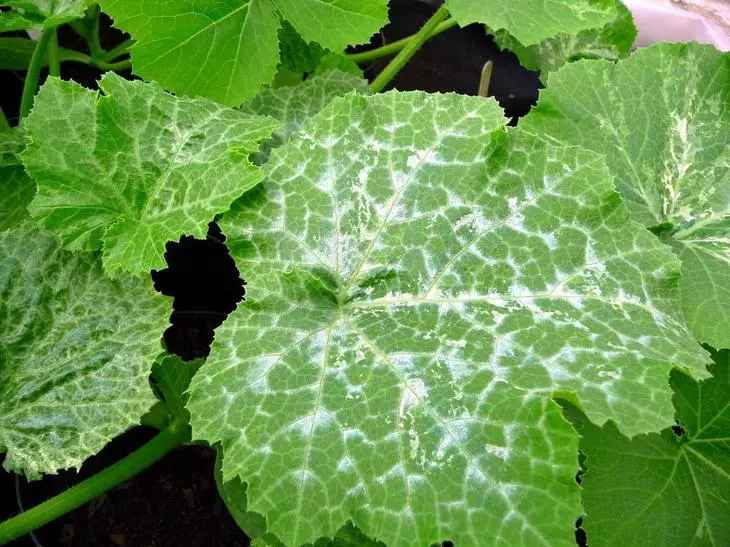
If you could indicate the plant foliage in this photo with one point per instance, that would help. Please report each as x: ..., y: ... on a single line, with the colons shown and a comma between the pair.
x: 669, y: 150
x: 227, y: 50
x: 77, y: 349
x: 402, y: 338
x: 135, y: 167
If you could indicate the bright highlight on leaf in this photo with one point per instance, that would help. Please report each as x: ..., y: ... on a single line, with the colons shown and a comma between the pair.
x: 76, y: 351
x: 420, y: 284
x: 662, y: 118
x: 529, y: 21
x: 660, y: 489
x: 135, y: 167
x: 227, y: 50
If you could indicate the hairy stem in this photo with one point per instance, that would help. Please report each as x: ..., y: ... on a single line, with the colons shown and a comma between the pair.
x: 416, y: 41
x: 34, y: 72
x: 54, y: 55
x: 85, y: 491
x: 397, y: 46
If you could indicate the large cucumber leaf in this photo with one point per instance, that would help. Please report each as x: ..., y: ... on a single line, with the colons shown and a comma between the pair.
x: 76, y: 349
x: 662, y: 119
x: 135, y: 167
x: 420, y: 284
x: 659, y: 489
x: 226, y: 50
x: 530, y: 21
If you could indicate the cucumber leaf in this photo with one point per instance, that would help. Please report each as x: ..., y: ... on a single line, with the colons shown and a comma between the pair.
x: 669, y: 150
x: 420, y: 283
x: 612, y: 42
x: 76, y: 349
x: 135, y: 167
x: 40, y: 14
x: 531, y: 22
x: 659, y: 489
x: 16, y: 188
x: 227, y: 50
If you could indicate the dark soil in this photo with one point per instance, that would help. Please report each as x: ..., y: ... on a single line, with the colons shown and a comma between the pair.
x: 175, y: 502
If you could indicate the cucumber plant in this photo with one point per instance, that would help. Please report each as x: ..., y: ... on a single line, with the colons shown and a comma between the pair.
x: 446, y: 318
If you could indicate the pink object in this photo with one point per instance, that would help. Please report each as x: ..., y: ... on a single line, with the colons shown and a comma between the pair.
x: 704, y: 21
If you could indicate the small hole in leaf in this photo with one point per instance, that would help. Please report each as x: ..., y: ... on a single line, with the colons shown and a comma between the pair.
x: 579, y: 477
x: 678, y: 430
x: 580, y: 535
x: 205, y: 284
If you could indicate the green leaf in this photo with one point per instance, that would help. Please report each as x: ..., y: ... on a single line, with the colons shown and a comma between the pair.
x: 76, y: 350
x: 171, y: 377
x: 531, y: 22
x: 45, y: 14
x: 660, y: 490
x: 298, y: 55
x: 662, y: 118
x: 16, y: 53
x: 12, y: 20
x: 16, y: 189
x: 612, y: 42
x: 294, y: 105
x: 419, y: 286
x: 135, y: 167
x: 227, y: 50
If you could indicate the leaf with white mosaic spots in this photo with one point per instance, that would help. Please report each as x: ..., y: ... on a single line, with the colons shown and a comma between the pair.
x: 668, y: 147
x: 421, y: 283
x: 613, y: 41
x: 135, y: 167
x: 531, y: 22
x: 76, y: 349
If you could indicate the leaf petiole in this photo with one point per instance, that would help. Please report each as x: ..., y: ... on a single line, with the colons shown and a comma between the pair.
x: 34, y: 72
x: 171, y: 437
x: 396, y: 46
x: 416, y: 41
x: 54, y: 54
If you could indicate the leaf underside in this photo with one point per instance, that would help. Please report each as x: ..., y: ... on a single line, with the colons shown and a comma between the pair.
x: 612, y: 42
x: 135, y: 167
x: 420, y: 284
x: 531, y: 22
x: 669, y: 150
x: 76, y: 350
x: 660, y: 489
x: 227, y: 50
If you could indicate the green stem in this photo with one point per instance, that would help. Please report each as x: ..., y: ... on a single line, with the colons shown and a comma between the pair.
x: 34, y: 72
x: 118, y: 51
x: 395, y: 47
x: 85, y: 491
x: 121, y: 65
x: 4, y: 123
x: 54, y: 55
x: 416, y: 41
x: 97, y: 52
x: 485, y: 79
